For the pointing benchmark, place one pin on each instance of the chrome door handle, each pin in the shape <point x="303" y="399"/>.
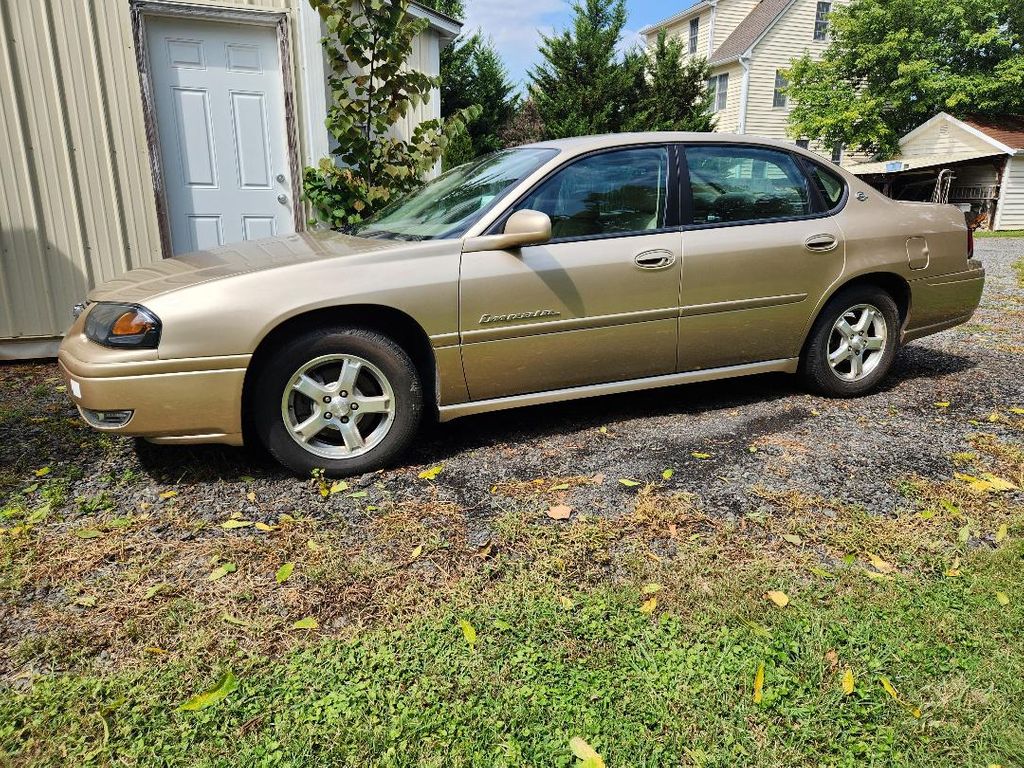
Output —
<point x="821" y="243"/>
<point x="659" y="259"/>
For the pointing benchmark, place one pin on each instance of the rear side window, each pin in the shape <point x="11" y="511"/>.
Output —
<point x="740" y="183"/>
<point x="830" y="186"/>
<point x="613" y="193"/>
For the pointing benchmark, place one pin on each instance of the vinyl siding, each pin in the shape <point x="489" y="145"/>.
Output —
<point x="77" y="206"/>
<point x="1010" y="213"/>
<point x="729" y="15"/>
<point x="944" y="138"/>
<point x="728" y="119"/>
<point x="682" y="31"/>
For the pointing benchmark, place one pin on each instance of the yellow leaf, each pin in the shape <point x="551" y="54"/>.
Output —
<point x="222" y="571"/>
<point x="155" y="651"/>
<point x="889" y="688"/>
<point x="566" y="603"/>
<point x="792" y="538"/>
<point x="337" y="487"/>
<point x="942" y="405"/>
<point x="585" y="753"/>
<point x="1003" y="598"/>
<point x="42" y="472"/>
<point x="667" y="474"/>
<point x="215" y="695"/>
<point x="468" y="632"/>
<point x="628" y="483"/>
<point x="416" y="552"/>
<point x="230" y="524"/>
<point x="432" y="473"/>
<point x="759" y="684"/>
<point x="284" y="572"/>
<point x="650" y="589"/>
<point x="881" y="565"/>
<point x="88" y="533"/>
<point x="251" y="496"/>
<point x="560" y="512"/>
<point x="307" y="623"/>
<point x="168" y="495"/>
<point x="649" y="606"/>
<point x="994" y="417"/>
<point x="781" y="599"/>
<point x="848" y="682"/>
<point x="1017" y="411"/>
<point x="698" y="455"/>
<point x="559" y="487"/>
<point x="265" y="528"/>
<point x="1001" y="533"/>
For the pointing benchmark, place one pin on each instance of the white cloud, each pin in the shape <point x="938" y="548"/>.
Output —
<point x="516" y="27"/>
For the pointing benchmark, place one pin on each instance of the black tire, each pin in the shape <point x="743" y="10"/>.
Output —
<point x="289" y="358"/>
<point x="815" y="368"/>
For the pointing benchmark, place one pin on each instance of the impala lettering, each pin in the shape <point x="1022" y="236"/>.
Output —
<point x="537" y="314"/>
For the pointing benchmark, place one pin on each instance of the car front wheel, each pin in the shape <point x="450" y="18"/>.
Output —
<point x="347" y="400"/>
<point x="853" y="342"/>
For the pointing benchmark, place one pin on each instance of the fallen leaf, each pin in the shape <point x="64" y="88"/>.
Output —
<point x="215" y="695"/>
<point x="603" y="430"/>
<point x="881" y="565"/>
<point x="42" y="472"/>
<point x="598" y="478"/>
<point x="566" y="602"/>
<point x="559" y="487"/>
<point x="155" y="590"/>
<point x="1017" y="411"/>
<point x="848" y="682"/>
<point x="168" y="495"/>
<point x="752" y="449"/>
<point x="888" y="686"/>
<point x="265" y="528"/>
<point x="698" y="455"/>
<point x="560" y="512"/>
<point x="649" y="606"/>
<point x="227" y="618"/>
<point x="964" y="534"/>
<point x="942" y="405"/>
<point x="222" y="571"/>
<point x="781" y="599"/>
<point x="251" y="496"/>
<point x="1001" y="533"/>
<point x="154" y="650"/>
<point x="628" y="483"/>
<point x="337" y="487"/>
<point x="86" y="601"/>
<point x="650" y="589"/>
<point x="88" y="533"/>
<point x="759" y="684"/>
<point x="667" y="474"/>
<point x="1003" y="598"/>
<point x="307" y="623"/>
<point x="359" y="495"/>
<point x="994" y="417"/>
<point x="232" y="524"/>
<point x="284" y="572"/>
<point x="468" y="632"/>
<point x="432" y="473"/>
<point x="792" y="538"/>
<point x="585" y="753"/>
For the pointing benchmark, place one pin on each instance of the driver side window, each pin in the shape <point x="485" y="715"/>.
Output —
<point x="738" y="183"/>
<point x="611" y="193"/>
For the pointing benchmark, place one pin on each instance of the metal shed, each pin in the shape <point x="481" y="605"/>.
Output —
<point x="107" y="104"/>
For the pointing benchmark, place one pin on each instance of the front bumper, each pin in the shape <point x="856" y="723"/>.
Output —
<point x="196" y="400"/>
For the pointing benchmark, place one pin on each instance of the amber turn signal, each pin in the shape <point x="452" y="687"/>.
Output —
<point x="122" y="325"/>
<point x="131" y="324"/>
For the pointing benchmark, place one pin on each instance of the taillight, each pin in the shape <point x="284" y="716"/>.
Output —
<point x="970" y="236"/>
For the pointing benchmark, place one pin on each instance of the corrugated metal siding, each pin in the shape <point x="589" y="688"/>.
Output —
<point x="77" y="204"/>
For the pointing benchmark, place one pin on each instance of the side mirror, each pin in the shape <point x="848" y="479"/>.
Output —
<point x="522" y="228"/>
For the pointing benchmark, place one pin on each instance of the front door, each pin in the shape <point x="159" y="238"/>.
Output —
<point x="218" y="94"/>
<point x="761" y="251"/>
<point x="598" y="303"/>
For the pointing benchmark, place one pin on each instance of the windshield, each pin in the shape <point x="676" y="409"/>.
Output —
<point x="450" y="204"/>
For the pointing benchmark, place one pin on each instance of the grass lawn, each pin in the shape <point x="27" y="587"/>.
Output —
<point x="642" y="633"/>
<point x="1018" y="233"/>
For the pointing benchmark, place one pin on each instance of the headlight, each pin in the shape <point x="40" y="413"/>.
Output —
<point x="123" y="326"/>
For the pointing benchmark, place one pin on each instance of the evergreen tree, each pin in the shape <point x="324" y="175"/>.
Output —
<point x="525" y="127"/>
<point x="673" y="96"/>
<point x="583" y="86"/>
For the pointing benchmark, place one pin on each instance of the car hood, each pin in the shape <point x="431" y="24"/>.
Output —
<point x="191" y="269"/>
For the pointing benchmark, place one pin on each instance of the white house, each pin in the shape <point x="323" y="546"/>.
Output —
<point x="985" y="158"/>
<point x="749" y="44"/>
<point x="132" y="130"/>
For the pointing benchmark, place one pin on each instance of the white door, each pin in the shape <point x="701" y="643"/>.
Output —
<point x="219" y="99"/>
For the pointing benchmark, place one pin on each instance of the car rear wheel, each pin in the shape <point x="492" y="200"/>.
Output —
<point x="346" y="400"/>
<point x="853" y="342"/>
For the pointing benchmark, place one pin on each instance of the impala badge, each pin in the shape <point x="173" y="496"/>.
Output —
<point x="535" y="315"/>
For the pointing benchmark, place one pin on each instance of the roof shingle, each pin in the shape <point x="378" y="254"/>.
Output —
<point x="1009" y="130"/>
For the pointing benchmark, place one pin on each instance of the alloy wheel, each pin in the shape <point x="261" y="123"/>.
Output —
<point x="856" y="345"/>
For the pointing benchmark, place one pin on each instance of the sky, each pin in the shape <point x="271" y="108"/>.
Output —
<point x="516" y="25"/>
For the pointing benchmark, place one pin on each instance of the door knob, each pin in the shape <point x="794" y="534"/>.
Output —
<point x="282" y="199"/>
<point x="280" y="178"/>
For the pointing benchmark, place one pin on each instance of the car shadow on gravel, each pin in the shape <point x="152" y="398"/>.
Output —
<point x="438" y="442"/>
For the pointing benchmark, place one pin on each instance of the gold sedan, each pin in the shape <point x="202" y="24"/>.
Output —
<point x="550" y="272"/>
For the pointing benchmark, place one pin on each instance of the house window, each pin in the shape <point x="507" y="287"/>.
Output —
<point x="719" y="87"/>
<point x="694" y="31"/>
<point x="821" y="21"/>
<point x="781" y="84"/>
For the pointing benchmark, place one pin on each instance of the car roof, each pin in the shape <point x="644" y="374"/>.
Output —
<point x="581" y="144"/>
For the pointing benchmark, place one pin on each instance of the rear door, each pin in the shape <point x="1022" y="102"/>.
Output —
<point x="759" y="250"/>
<point x="597" y="303"/>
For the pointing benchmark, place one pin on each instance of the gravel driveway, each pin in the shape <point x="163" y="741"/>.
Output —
<point x="729" y="442"/>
